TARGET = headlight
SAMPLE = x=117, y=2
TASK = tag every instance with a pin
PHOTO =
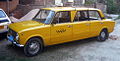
x=17, y=37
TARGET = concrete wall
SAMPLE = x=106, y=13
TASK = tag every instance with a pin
x=99, y=6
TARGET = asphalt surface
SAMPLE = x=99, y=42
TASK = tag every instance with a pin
x=81, y=50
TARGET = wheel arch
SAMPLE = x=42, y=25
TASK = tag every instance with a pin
x=105, y=28
x=36, y=36
x=100, y=38
x=27, y=53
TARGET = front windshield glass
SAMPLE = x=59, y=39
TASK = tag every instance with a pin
x=2, y=14
x=44, y=16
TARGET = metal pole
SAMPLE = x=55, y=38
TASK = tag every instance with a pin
x=8, y=8
x=44, y=3
x=95, y=4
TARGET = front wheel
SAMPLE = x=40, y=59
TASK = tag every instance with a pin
x=103, y=35
x=33, y=47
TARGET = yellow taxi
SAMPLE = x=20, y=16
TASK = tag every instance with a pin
x=59, y=25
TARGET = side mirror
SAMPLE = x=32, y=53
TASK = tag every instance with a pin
x=103, y=18
x=52, y=24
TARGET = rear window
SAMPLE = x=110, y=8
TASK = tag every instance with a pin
x=2, y=14
x=94, y=15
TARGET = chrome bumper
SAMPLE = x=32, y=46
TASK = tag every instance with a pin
x=11, y=39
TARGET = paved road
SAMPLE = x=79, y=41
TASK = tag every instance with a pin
x=82, y=50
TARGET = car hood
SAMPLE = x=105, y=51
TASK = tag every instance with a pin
x=24, y=25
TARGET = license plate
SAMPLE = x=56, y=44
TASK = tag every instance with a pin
x=1, y=27
x=10, y=38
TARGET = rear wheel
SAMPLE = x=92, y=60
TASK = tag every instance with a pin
x=103, y=35
x=33, y=47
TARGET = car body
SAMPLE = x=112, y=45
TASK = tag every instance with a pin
x=4, y=21
x=59, y=25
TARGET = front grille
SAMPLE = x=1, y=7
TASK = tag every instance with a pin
x=14, y=34
x=11, y=32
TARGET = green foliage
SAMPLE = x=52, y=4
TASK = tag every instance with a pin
x=111, y=7
x=89, y=2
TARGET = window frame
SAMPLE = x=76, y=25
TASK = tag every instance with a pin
x=98, y=14
x=46, y=18
x=59, y=12
x=83, y=11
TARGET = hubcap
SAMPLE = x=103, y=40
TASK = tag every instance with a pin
x=103, y=35
x=34, y=47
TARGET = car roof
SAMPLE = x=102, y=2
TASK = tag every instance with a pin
x=69, y=8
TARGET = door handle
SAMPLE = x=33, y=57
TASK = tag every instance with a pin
x=87, y=24
x=101, y=23
x=69, y=26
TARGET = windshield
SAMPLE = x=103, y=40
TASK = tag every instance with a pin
x=44, y=16
x=2, y=14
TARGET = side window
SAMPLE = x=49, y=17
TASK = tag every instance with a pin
x=62, y=17
x=94, y=15
x=81, y=16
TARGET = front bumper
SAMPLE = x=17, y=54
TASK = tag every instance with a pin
x=11, y=39
x=3, y=30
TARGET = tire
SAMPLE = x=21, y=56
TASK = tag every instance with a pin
x=33, y=47
x=103, y=35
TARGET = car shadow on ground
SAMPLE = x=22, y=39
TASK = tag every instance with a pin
x=6, y=47
x=14, y=51
x=3, y=36
x=70, y=44
x=19, y=51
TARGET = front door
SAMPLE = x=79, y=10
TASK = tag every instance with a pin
x=61, y=28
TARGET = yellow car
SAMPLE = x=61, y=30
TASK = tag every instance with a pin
x=59, y=25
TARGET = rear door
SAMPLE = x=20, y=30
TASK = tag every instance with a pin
x=96, y=22
x=81, y=25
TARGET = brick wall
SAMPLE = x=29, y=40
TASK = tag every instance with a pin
x=26, y=5
x=12, y=4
